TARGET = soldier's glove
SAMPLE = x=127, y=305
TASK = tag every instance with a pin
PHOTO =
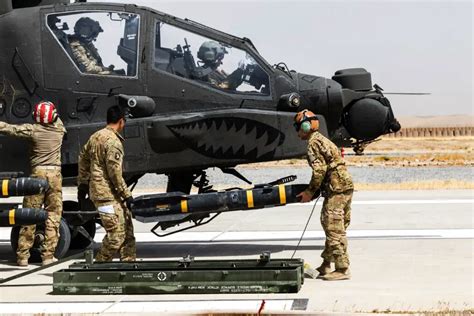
x=129, y=202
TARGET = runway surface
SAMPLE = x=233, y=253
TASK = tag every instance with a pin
x=409, y=251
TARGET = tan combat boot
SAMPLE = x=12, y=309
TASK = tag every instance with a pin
x=337, y=275
x=323, y=269
x=49, y=261
x=22, y=262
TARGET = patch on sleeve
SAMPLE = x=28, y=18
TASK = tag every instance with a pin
x=115, y=154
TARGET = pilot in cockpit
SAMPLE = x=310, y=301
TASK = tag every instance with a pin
x=211, y=55
x=84, y=52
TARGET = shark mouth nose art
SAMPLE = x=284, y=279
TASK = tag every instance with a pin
x=230, y=138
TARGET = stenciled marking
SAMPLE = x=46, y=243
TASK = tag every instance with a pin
x=250, y=199
x=5, y=187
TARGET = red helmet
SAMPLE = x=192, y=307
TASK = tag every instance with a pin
x=45, y=112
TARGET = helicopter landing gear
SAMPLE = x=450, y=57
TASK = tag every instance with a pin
x=182, y=181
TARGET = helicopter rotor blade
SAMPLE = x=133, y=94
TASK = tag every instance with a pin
x=408, y=93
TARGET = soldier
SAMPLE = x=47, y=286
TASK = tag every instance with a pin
x=100, y=177
x=211, y=55
x=84, y=52
x=330, y=175
x=46, y=137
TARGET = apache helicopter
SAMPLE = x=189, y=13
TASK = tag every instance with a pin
x=197, y=97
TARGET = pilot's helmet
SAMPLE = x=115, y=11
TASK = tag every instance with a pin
x=211, y=52
x=87, y=29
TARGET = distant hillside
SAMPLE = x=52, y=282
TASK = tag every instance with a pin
x=437, y=121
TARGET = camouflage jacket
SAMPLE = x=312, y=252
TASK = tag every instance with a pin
x=45, y=139
x=86, y=57
x=100, y=166
x=329, y=170
x=219, y=78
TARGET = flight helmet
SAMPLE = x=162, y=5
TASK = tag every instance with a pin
x=306, y=121
x=45, y=112
x=87, y=29
x=211, y=52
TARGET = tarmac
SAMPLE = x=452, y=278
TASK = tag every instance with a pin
x=410, y=251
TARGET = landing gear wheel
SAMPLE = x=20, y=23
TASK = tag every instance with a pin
x=35, y=253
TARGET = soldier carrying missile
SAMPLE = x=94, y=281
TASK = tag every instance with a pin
x=46, y=137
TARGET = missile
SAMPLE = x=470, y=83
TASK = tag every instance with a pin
x=22, y=186
x=22, y=216
x=215, y=202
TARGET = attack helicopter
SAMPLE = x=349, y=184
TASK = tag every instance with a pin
x=197, y=97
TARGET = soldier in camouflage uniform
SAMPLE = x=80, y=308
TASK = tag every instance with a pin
x=100, y=177
x=46, y=137
x=211, y=54
x=84, y=52
x=330, y=175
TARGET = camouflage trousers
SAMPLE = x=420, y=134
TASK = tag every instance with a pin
x=53, y=204
x=335, y=218
x=117, y=222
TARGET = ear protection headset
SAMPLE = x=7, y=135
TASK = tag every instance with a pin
x=306, y=121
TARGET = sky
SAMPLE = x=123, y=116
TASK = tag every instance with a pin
x=407, y=46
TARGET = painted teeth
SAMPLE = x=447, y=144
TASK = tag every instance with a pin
x=227, y=138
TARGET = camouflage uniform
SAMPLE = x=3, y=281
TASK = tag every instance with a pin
x=86, y=55
x=331, y=176
x=45, y=161
x=100, y=166
x=221, y=79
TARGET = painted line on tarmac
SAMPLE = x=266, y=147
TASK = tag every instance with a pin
x=216, y=236
x=154, y=307
x=256, y=236
x=399, y=202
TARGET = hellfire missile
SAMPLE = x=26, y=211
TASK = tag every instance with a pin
x=22, y=216
x=216, y=202
x=22, y=186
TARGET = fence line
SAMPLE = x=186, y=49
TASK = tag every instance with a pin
x=433, y=132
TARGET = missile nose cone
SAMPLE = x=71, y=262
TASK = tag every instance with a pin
x=22, y=186
x=22, y=216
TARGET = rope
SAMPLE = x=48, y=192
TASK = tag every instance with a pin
x=305, y=227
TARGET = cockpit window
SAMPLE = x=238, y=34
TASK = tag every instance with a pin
x=196, y=57
x=101, y=43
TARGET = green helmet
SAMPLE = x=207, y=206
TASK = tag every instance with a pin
x=211, y=52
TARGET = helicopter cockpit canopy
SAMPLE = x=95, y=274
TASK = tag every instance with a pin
x=101, y=43
x=196, y=57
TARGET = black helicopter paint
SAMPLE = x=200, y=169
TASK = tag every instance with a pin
x=181, y=123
